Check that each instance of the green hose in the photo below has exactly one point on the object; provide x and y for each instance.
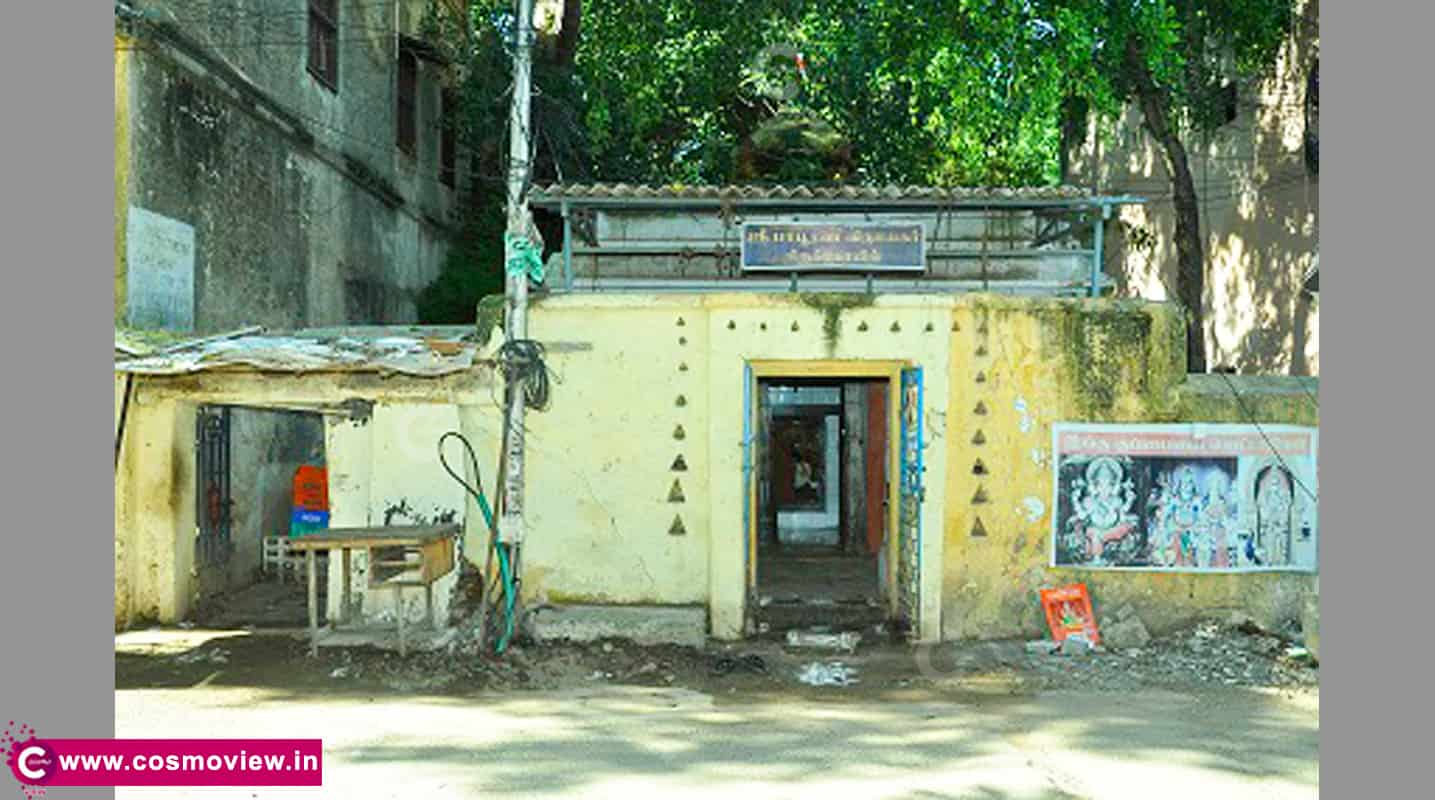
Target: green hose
(510, 594)
(509, 599)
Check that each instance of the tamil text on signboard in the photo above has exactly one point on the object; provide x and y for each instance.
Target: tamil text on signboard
(793, 247)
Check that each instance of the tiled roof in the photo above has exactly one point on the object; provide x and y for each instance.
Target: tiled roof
(875, 194)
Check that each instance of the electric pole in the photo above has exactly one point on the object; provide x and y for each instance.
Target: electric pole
(511, 526)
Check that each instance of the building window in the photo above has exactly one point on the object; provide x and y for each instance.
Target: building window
(447, 138)
(1229, 103)
(408, 92)
(324, 42)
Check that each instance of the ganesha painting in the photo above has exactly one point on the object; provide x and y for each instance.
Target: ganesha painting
(1101, 507)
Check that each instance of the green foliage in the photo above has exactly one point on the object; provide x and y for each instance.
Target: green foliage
(472, 269)
(1190, 48)
(922, 91)
(945, 92)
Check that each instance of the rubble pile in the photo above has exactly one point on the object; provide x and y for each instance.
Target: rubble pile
(1231, 653)
(464, 666)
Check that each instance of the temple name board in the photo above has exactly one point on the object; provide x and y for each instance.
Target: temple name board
(794, 247)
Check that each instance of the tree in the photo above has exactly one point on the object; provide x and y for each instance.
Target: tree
(944, 92)
(918, 91)
(1175, 61)
(476, 35)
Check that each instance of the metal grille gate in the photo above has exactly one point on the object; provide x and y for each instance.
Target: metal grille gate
(213, 500)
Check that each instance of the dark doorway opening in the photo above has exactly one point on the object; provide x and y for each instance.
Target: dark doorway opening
(246, 468)
(822, 502)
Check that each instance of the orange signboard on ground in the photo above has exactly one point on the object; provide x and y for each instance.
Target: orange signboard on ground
(1068, 612)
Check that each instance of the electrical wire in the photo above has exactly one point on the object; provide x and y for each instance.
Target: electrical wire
(1240, 401)
(522, 360)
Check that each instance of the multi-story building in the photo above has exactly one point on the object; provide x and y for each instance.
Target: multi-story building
(1256, 179)
(283, 163)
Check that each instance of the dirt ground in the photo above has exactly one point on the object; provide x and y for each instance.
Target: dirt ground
(1213, 711)
(1205, 656)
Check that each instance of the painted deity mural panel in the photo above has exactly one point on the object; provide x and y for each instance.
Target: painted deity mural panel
(1195, 498)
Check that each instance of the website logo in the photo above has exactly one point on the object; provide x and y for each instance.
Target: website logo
(31, 761)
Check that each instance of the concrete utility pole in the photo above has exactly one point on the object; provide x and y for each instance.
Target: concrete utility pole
(510, 526)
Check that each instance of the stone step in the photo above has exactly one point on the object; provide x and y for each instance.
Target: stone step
(780, 617)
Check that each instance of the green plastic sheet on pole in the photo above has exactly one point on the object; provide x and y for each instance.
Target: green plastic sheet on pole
(523, 257)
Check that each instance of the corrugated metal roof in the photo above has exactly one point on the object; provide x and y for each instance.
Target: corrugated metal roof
(429, 352)
(875, 194)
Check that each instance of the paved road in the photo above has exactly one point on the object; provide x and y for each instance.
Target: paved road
(616, 742)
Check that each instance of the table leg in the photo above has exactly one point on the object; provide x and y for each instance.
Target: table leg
(346, 599)
(428, 605)
(399, 608)
(309, 560)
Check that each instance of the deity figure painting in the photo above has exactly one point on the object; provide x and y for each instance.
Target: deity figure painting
(1178, 515)
(1101, 510)
(1216, 542)
(1193, 517)
(1275, 502)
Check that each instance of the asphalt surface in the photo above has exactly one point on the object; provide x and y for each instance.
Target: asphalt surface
(593, 737)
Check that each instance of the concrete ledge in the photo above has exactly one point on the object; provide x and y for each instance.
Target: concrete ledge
(1310, 620)
(682, 625)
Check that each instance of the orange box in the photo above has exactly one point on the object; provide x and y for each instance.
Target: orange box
(311, 488)
(1068, 611)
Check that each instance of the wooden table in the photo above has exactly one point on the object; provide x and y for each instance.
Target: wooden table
(399, 556)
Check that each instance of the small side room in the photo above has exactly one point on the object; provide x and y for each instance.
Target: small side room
(821, 459)
(232, 452)
(260, 479)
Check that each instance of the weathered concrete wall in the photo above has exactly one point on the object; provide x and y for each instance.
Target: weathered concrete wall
(599, 466)
(1031, 364)
(156, 578)
(670, 372)
(303, 209)
(1260, 212)
(154, 514)
(642, 379)
(385, 471)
